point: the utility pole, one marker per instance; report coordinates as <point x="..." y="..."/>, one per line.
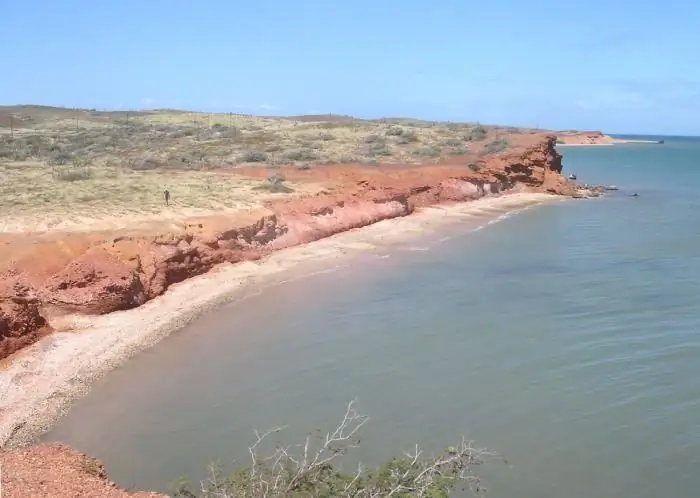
<point x="230" y="119"/>
<point x="77" y="120"/>
<point x="12" y="135"/>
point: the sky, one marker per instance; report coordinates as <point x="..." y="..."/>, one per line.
<point x="617" y="66"/>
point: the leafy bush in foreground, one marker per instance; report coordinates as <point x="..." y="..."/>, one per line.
<point x="308" y="470"/>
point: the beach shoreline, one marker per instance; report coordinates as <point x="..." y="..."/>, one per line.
<point x="597" y="139"/>
<point x="616" y="141"/>
<point x="75" y="305"/>
<point x="43" y="381"/>
<point x="586" y="145"/>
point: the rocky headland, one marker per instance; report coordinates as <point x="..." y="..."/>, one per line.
<point x="593" y="138"/>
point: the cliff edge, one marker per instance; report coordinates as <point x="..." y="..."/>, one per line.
<point x="47" y="275"/>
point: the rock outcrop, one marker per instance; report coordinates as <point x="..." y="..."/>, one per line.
<point x="57" y="471"/>
<point x="586" y="138"/>
<point x="95" y="273"/>
<point x="53" y="274"/>
<point x="21" y="322"/>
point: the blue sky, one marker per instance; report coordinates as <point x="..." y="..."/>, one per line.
<point x="620" y="66"/>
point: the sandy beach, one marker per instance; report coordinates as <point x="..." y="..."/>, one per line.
<point x="588" y="145"/>
<point x="596" y="139"/>
<point x="106" y="250"/>
<point x="40" y="385"/>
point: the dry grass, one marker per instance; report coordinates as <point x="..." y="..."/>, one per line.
<point x="64" y="169"/>
<point x="37" y="197"/>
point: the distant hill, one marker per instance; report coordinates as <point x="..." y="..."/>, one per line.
<point x="38" y="116"/>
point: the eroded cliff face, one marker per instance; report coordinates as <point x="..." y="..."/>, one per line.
<point x="52" y="274"/>
<point x="21" y="322"/>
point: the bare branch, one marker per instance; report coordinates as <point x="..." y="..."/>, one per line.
<point x="301" y="470"/>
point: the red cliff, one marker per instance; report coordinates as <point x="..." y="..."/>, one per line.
<point x="96" y="273"/>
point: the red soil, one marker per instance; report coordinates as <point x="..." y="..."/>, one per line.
<point x="45" y="275"/>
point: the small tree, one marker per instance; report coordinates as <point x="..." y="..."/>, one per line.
<point x="304" y="472"/>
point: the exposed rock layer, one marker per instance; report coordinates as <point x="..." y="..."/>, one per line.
<point x="51" y="274"/>
<point x="97" y="273"/>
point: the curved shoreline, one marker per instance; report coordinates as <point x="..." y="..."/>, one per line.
<point x="45" y="379"/>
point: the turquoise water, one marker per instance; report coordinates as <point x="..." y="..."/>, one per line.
<point x="566" y="338"/>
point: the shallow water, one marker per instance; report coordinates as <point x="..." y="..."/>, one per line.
<point x="566" y="338"/>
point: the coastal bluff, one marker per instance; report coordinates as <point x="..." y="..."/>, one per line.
<point x="47" y="275"/>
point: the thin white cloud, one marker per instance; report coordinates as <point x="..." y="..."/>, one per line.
<point x="268" y="107"/>
<point x="147" y="101"/>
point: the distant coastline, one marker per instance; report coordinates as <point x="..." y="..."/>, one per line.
<point x="596" y="139"/>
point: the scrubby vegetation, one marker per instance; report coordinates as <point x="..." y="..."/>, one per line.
<point x="496" y="146"/>
<point x="474" y="167"/>
<point x="310" y="470"/>
<point x="182" y="140"/>
<point x="63" y="164"/>
<point x="475" y="134"/>
<point x="275" y="184"/>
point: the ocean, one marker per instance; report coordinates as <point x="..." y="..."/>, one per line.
<point x="565" y="338"/>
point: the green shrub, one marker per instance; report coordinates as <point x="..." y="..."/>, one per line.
<point x="301" y="155"/>
<point x="145" y="164"/>
<point x="311" y="470"/>
<point x="75" y="174"/>
<point x="60" y="158"/>
<point x="452" y="142"/>
<point x="476" y="134"/>
<point x="379" y="149"/>
<point x="496" y="146"/>
<point x="373" y="139"/>
<point x="407" y="137"/>
<point x="254" y="156"/>
<point x="427" y="152"/>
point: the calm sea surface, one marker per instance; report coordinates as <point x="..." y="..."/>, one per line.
<point x="566" y="338"/>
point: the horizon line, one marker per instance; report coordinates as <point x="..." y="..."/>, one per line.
<point x="291" y="116"/>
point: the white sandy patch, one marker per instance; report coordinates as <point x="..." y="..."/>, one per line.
<point x="587" y="145"/>
<point x="42" y="382"/>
